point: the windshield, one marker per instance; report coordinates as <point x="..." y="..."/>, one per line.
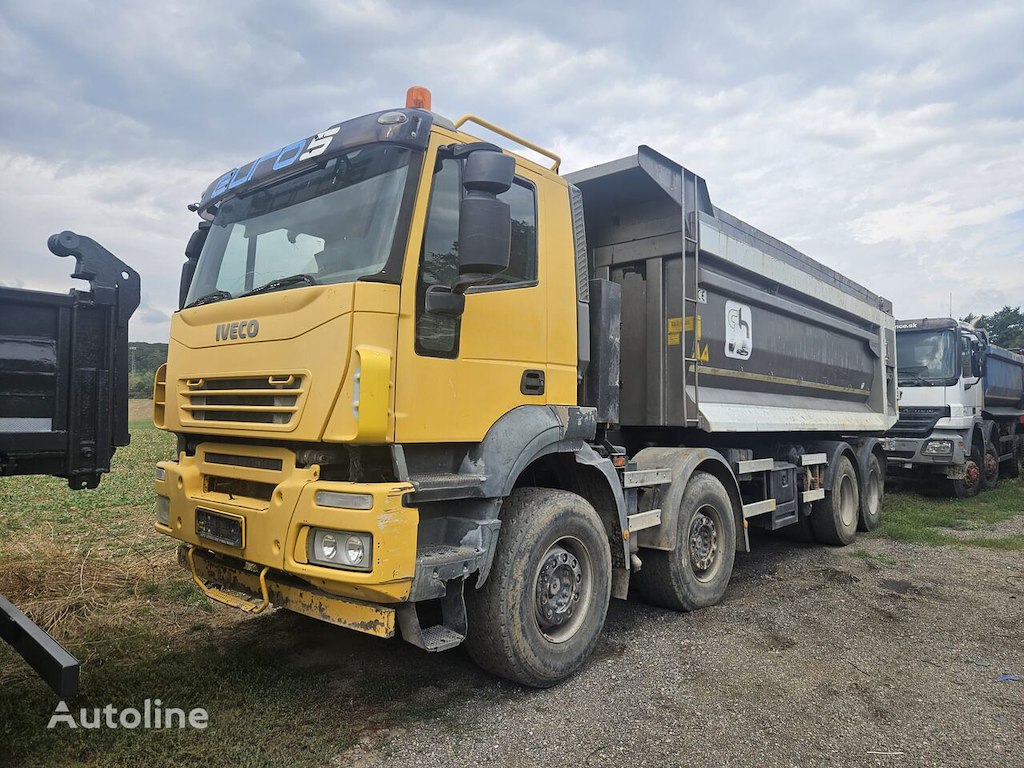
<point x="332" y="225"/>
<point x="925" y="357"/>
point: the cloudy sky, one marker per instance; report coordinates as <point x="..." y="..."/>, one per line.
<point x="884" y="139"/>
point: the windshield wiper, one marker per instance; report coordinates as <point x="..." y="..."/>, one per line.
<point x="918" y="378"/>
<point x="281" y="282"/>
<point x="209" y="298"/>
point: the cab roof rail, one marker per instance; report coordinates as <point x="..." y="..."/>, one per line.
<point x="557" y="161"/>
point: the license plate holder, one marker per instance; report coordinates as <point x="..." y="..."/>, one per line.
<point x="220" y="527"/>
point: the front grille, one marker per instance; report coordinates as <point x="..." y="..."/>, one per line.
<point x="270" y="400"/>
<point x="917" y="422"/>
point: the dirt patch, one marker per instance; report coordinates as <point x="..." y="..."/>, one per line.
<point x="880" y="654"/>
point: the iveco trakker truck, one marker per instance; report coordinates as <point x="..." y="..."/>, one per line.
<point x="416" y="375"/>
<point x="961" y="407"/>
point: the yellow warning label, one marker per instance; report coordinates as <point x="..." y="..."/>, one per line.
<point x="676" y="324"/>
<point x="673" y="338"/>
<point x="703" y="356"/>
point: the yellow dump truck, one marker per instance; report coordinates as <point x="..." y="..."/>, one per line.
<point x="415" y="375"/>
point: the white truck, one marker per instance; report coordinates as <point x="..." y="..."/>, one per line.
<point x="961" y="406"/>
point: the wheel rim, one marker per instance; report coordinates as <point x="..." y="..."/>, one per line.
<point x="991" y="466"/>
<point x="972" y="474"/>
<point x="703" y="544"/>
<point x="562" y="588"/>
<point x="874" y="493"/>
<point x="847" y="502"/>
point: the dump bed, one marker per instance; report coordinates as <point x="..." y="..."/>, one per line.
<point x="1004" y="379"/>
<point x="725" y="328"/>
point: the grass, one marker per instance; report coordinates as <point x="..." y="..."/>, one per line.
<point x="280" y="689"/>
<point x="908" y="516"/>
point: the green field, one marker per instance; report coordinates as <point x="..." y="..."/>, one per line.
<point x="88" y="566"/>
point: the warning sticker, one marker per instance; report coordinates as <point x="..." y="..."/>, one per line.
<point x="673" y="338"/>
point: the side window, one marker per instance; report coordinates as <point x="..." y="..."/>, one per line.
<point x="522" y="266"/>
<point x="437" y="335"/>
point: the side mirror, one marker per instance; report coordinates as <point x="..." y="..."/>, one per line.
<point x="977" y="363"/>
<point x="192" y="251"/>
<point x="485" y="222"/>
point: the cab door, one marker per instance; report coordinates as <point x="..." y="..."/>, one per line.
<point x="456" y="376"/>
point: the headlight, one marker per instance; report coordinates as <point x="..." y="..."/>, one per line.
<point x="344" y="500"/>
<point x="163" y="510"/>
<point x="341" y="549"/>
<point x="938" y="448"/>
<point x="160" y="473"/>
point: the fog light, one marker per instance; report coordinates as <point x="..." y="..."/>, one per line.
<point x="163" y="510"/>
<point x="354" y="550"/>
<point x="324" y="549"/>
<point x="938" y="448"/>
<point x="329" y="546"/>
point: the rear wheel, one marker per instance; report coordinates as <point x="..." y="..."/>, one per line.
<point x="1013" y="467"/>
<point x="970" y="485"/>
<point x="539" y="614"/>
<point x="990" y="476"/>
<point x="871" y="502"/>
<point x="696" y="573"/>
<point x="835" y="517"/>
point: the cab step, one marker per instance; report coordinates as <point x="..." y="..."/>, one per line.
<point x="440" y="637"/>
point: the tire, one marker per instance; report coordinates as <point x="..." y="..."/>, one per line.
<point x="517" y="631"/>
<point x="970" y="486"/>
<point x="834" y="519"/>
<point x="990" y="473"/>
<point x="871" y="501"/>
<point x="696" y="573"/>
<point x="1013" y="467"/>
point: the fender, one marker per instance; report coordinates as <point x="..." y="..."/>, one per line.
<point x="684" y="462"/>
<point x="528" y="432"/>
<point x="834" y="449"/>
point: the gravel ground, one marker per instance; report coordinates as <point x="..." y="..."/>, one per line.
<point x="881" y="654"/>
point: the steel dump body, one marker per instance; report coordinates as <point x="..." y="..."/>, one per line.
<point x="725" y="328"/>
<point x="1004" y="379"/>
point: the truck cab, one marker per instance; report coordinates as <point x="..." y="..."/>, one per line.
<point x="948" y="427"/>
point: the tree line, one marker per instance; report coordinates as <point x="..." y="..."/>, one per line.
<point x="1005" y="327"/>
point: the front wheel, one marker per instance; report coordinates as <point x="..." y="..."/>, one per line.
<point x="970" y="484"/>
<point x="539" y="614"/>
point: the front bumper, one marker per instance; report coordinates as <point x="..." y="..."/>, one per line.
<point x="213" y="573"/>
<point x="276" y="526"/>
<point x="904" y="455"/>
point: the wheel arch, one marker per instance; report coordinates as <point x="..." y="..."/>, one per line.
<point x="684" y="462"/>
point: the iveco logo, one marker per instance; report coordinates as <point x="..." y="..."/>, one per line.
<point x="243" y="329"/>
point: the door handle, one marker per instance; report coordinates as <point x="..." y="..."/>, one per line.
<point x="532" y="382"/>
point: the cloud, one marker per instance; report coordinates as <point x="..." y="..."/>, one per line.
<point x="883" y="140"/>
